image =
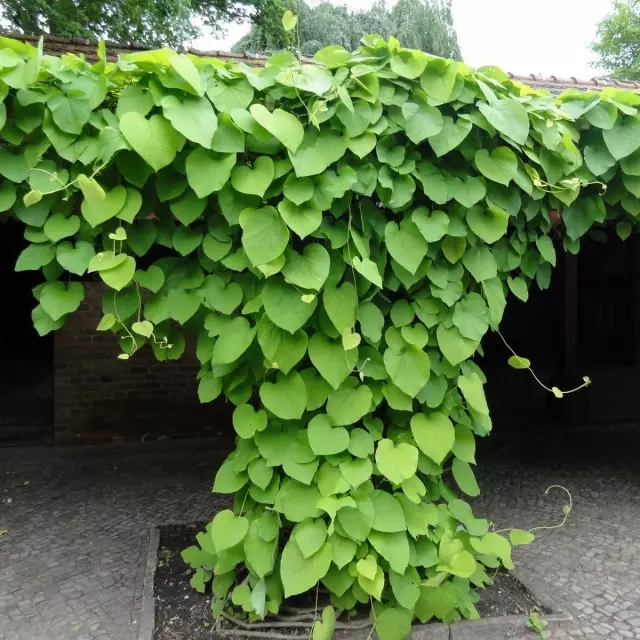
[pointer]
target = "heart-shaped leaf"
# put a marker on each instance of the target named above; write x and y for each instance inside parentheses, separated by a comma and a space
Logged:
(132, 205)
(192, 116)
(509, 117)
(434, 434)
(310, 535)
(58, 300)
(96, 211)
(302, 219)
(409, 369)
(324, 438)
(121, 275)
(298, 190)
(396, 462)
(238, 336)
(247, 421)
(188, 208)
(155, 140)
(264, 235)
(406, 244)
(283, 305)
(501, 165)
(186, 240)
(282, 349)
(331, 360)
(75, 259)
(624, 137)
(309, 269)
(368, 269)
(282, 125)
(254, 180)
(58, 226)
(346, 406)
(152, 278)
(341, 305)
(324, 630)
(357, 471)
(450, 136)
(227, 530)
(286, 398)
(220, 297)
(208, 171)
(490, 223)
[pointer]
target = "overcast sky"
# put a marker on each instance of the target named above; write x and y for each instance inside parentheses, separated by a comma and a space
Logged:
(545, 36)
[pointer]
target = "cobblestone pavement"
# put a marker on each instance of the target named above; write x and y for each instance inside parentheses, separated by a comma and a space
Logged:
(72, 560)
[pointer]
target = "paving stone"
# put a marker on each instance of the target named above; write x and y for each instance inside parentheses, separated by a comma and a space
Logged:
(77, 534)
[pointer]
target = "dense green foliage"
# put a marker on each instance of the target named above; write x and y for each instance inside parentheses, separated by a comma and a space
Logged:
(418, 24)
(334, 240)
(618, 43)
(157, 23)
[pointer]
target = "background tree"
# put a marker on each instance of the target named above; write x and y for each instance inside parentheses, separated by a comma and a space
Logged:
(418, 24)
(618, 43)
(147, 22)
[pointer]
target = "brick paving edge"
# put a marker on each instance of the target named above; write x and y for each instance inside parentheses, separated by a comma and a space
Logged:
(148, 617)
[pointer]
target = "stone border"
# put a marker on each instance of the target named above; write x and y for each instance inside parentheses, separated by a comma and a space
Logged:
(485, 629)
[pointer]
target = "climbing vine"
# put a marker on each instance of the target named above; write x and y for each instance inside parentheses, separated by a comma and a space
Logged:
(334, 240)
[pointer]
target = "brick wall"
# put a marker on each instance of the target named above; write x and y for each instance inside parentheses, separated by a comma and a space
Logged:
(98, 398)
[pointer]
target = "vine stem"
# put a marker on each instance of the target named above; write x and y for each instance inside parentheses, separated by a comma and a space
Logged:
(553, 526)
(586, 383)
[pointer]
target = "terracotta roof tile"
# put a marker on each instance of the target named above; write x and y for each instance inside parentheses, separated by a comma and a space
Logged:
(54, 45)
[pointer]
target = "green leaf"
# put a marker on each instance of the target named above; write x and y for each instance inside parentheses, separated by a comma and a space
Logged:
(264, 235)
(226, 96)
(324, 438)
(368, 269)
(433, 226)
(35, 256)
(254, 180)
(406, 244)
(451, 135)
(396, 462)
(310, 535)
(238, 336)
(454, 346)
(57, 300)
(394, 623)
(287, 397)
(519, 287)
(371, 321)
(472, 389)
(434, 434)
(624, 137)
(228, 530)
(309, 269)
(282, 125)
(284, 306)
(493, 544)
(346, 406)
(471, 317)
(519, 537)
(121, 275)
(489, 224)
(331, 360)
(421, 121)
(289, 20)
(323, 630)
(298, 190)
(300, 574)
(439, 78)
(388, 514)
(75, 259)
(281, 349)
(247, 421)
(192, 116)
(208, 171)
(508, 117)
(341, 304)
(188, 208)
(228, 480)
(302, 219)
(466, 480)
(96, 211)
(501, 165)
(409, 369)
(598, 159)
(70, 113)
(155, 140)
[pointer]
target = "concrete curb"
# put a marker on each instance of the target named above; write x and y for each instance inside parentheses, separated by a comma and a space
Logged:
(148, 616)
(504, 627)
